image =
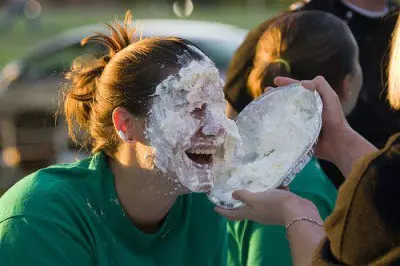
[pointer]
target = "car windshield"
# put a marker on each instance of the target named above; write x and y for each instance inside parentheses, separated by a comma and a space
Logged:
(55, 64)
(219, 51)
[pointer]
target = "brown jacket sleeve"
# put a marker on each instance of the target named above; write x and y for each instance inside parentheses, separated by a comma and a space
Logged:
(364, 226)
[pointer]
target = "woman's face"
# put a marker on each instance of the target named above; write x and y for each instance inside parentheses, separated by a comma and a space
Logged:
(187, 127)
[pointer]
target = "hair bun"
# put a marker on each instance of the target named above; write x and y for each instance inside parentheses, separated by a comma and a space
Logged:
(264, 72)
(80, 95)
(281, 61)
(121, 36)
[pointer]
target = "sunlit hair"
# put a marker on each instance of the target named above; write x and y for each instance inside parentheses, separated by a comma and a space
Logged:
(394, 70)
(303, 45)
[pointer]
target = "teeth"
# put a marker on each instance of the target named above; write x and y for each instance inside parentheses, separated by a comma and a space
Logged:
(203, 151)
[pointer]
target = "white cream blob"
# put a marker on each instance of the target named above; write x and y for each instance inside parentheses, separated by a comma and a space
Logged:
(275, 133)
(188, 115)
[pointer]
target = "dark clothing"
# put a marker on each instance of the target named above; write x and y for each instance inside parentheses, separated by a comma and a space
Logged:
(372, 116)
(364, 226)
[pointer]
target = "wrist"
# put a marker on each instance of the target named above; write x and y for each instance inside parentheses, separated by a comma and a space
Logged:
(349, 147)
(300, 220)
(299, 207)
(343, 142)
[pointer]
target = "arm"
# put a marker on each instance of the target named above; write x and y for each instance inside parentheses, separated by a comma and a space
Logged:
(304, 239)
(32, 241)
(303, 236)
(351, 148)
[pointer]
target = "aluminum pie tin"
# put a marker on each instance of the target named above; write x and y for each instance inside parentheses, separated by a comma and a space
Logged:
(298, 165)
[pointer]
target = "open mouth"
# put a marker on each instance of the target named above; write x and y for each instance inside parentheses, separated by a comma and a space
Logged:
(201, 156)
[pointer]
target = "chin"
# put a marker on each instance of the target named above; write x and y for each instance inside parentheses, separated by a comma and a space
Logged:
(203, 188)
(197, 180)
(193, 176)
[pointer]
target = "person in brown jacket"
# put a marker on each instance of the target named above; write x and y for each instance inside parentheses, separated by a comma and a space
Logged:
(364, 228)
(343, 146)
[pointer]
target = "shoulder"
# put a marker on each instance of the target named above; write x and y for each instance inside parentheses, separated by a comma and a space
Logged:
(37, 193)
(392, 16)
(382, 173)
(46, 211)
(23, 239)
(393, 5)
(368, 195)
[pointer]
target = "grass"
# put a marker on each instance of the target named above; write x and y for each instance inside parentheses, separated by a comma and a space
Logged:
(16, 42)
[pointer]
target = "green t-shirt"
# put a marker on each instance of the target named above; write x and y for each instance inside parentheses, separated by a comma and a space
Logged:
(70, 215)
(254, 244)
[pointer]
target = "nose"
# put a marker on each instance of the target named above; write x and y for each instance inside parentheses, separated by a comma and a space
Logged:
(215, 129)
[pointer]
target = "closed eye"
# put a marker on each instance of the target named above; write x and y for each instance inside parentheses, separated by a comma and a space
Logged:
(179, 106)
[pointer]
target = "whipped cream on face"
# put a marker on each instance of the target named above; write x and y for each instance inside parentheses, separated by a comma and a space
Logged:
(275, 136)
(187, 126)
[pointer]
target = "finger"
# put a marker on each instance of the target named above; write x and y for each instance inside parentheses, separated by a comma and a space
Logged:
(235, 215)
(245, 196)
(319, 84)
(283, 81)
(309, 85)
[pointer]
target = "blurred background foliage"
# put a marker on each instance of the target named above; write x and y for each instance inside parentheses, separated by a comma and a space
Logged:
(58, 15)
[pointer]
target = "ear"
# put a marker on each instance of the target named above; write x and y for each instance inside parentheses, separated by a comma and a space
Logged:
(124, 124)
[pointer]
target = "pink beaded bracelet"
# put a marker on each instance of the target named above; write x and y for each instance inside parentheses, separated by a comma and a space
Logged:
(301, 219)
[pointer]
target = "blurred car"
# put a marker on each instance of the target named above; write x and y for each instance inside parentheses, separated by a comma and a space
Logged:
(30, 86)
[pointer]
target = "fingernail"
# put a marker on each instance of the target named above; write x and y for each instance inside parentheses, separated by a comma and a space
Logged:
(235, 195)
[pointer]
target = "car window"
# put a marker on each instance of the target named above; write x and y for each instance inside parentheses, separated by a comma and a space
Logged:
(220, 52)
(58, 62)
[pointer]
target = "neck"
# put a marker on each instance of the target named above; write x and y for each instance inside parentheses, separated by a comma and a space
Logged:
(376, 5)
(145, 194)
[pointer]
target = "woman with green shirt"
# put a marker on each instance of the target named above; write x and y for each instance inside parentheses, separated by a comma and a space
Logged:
(152, 112)
(300, 45)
